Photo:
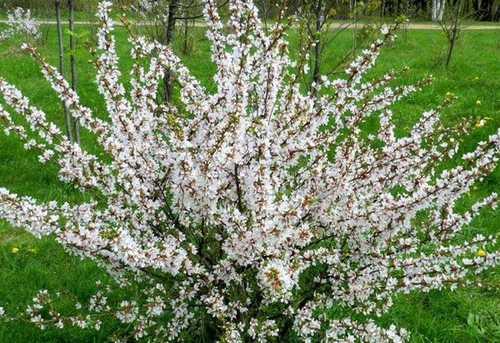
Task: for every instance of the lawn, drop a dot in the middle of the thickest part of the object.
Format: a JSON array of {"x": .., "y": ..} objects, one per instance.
[{"x": 27, "y": 265}]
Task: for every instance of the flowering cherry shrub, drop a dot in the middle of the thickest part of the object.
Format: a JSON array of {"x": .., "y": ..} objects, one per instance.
[
  {"x": 20, "y": 22},
  {"x": 251, "y": 211}
]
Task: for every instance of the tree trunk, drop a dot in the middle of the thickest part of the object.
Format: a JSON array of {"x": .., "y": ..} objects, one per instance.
[
  {"x": 71, "y": 7},
  {"x": 438, "y": 7},
  {"x": 169, "y": 37},
  {"x": 354, "y": 22},
  {"x": 382, "y": 8},
  {"x": 319, "y": 16},
  {"x": 442, "y": 4},
  {"x": 185, "y": 34},
  {"x": 479, "y": 9},
  {"x": 423, "y": 6},
  {"x": 454, "y": 32},
  {"x": 67, "y": 116}
]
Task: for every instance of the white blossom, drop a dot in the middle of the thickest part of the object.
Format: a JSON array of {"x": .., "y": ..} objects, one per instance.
[{"x": 19, "y": 21}]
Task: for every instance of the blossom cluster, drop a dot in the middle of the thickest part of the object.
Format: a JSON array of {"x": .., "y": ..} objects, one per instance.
[
  {"x": 148, "y": 5},
  {"x": 252, "y": 210},
  {"x": 20, "y": 22}
]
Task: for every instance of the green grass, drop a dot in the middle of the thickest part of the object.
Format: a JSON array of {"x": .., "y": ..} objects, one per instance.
[{"x": 467, "y": 315}]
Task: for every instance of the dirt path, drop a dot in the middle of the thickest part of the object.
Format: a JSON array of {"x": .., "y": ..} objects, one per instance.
[{"x": 426, "y": 26}]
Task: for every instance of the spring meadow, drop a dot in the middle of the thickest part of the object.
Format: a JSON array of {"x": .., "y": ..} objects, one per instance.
[{"x": 249, "y": 171}]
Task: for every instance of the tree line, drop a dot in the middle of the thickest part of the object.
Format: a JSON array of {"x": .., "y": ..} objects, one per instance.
[
  {"x": 485, "y": 10},
  {"x": 314, "y": 18}
]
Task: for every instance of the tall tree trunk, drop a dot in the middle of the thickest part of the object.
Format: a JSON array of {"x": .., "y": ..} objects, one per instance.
[
  {"x": 72, "y": 47},
  {"x": 320, "y": 17},
  {"x": 354, "y": 22},
  {"x": 442, "y": 6},
  {"x": 67, "y": 116},
  {"x": 185, "y": 35},
  {"x": 454, "y": 31},
  {"x": 494, "y": 10},
  {"x": 423, "y": 6},
  {"x": 169, "y": 37},
  {"x": 438, "y": 7}
]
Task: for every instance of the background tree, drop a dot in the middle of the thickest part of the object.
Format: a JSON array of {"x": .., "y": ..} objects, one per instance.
[
  {"x": 318, "y": 32},
  {"x": 438, "y": 8},
  {"x": 67, "y": 116},
  {"x": 162, "y": 17},
  {"x": 72, "y": 48},
  {"x": 487, "y": 10},
  {"x": 452, "y": 26}
]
